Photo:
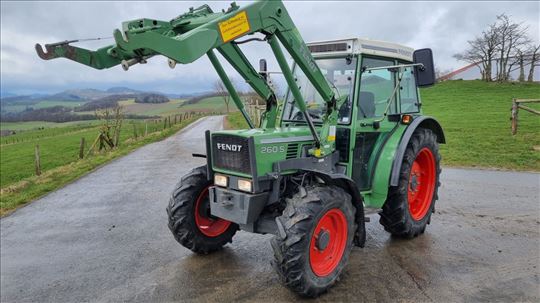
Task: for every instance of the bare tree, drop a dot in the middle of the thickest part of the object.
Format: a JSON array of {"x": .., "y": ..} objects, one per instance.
[
  {"x": 505, "y": 45},
  {"x": 482, "y": 50},
  {"x": 512, "y": 36},
  {"x": 221, "y": 90},
  {"x": 534, "y": 59}
]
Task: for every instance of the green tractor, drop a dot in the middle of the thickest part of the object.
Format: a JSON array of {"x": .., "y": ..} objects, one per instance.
[{"x": 349, "y": 136}]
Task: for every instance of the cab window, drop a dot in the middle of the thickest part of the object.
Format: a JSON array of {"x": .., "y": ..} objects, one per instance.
[
  {"x": 376, "y": 87},
  {"x": 408, "y": 92}
]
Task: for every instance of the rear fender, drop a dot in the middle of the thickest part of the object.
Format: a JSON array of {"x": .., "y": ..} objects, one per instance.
[{"x": 423, "y": 122}]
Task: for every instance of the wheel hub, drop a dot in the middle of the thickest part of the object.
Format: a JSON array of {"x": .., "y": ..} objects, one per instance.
[
  {"x": 323, "y": 238},
  {"x": 328, "y": 242},
  {"x": 414, "y": 182}
]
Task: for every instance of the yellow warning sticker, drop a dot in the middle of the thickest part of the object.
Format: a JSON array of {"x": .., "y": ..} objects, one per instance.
[{"x": 234, "y": 27}]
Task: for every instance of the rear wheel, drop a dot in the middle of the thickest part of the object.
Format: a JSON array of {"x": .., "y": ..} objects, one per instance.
[
  {"x": 315, "y": 238},
  {"x": 190, "y": 220},
  {"x": 409, "y": 206}
]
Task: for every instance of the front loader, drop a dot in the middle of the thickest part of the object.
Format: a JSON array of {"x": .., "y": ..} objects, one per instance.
[{"x": 351, "y": 137}]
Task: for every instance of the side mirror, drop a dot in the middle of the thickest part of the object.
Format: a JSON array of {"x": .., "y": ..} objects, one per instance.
[
  {"x": 263, "y": 69},
  {"x": 425, "y": 76}
]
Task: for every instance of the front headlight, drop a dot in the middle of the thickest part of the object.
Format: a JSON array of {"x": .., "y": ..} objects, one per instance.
[
  {"x": 244, "y": 185},
  {"x": 220, "y": 180}
]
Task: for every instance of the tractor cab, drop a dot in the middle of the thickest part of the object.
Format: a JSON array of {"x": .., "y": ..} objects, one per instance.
[{"x": 380, "y": 82}]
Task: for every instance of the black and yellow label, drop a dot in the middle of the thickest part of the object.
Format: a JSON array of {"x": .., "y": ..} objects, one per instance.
[{"x": 234, "y": 27}]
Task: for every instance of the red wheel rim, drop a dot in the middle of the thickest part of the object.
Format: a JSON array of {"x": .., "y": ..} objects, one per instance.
[
  {"x": 207, "y": 225},
  {"x": 328, "y": 242},
  {"x": 421, "y": 184}
]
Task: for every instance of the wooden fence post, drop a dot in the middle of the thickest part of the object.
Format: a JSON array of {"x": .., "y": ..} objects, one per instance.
[
  {"x": 81, "y": 149},
  {"x": 145, "y": 129},
  {"x": 514, "y": 116},
  {"x": 37, "y": 161}
]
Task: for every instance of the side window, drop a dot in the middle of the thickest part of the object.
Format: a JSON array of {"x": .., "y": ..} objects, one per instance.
[
  {"x": 376, "y": 88},
  {"x": 408, "y": 93}
]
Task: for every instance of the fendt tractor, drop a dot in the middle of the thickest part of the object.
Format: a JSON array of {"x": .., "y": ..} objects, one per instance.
[{"x": 348, "y": 135}]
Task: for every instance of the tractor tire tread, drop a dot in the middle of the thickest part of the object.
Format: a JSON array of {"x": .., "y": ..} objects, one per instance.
[
  {"x": 394, "y": 216},
  {"x": 298, "y": 220},
  {"x": 181, "y": 220}
]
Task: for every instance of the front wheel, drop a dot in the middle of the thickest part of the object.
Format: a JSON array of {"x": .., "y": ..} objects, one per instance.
[
  {"x": 315, "y": 238},
  {"x": 409, "y": 205},
  {"x": 190, "y": 220}
]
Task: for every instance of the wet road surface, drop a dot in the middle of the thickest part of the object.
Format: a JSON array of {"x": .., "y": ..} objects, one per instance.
[{"x": 105, "y": 238}]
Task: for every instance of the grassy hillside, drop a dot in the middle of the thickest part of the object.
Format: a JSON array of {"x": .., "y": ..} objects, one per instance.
[
  {"x": 40, "y": 104},
  {"x": 211, "y": 104},
  {"x": 476, "y": 119}
]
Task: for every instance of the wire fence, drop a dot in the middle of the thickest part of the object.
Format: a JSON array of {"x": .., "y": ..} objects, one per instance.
[{"x": 36, "y": 151}]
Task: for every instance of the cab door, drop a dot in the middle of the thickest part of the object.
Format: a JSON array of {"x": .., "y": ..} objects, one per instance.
[{"x": 372, "y": 128}]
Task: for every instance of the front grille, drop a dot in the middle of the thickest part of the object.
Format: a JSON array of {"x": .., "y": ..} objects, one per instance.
[
  {"x": 231, "y": 153},
  {"x": 292, "y": 151}
]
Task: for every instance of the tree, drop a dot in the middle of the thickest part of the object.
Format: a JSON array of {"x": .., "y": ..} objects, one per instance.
[
  {"x": 482, "y": 50},
  {"x": 511, "y": 37},
  {"x": 504, "y": 45},
  {"x": 221, "y": 90},
  {"x": 534, "y": 59},
  {"x": 521, "y": 62}
]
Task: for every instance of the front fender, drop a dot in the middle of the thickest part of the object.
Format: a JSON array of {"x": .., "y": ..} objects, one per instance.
[{"x": 351, "y": 188}]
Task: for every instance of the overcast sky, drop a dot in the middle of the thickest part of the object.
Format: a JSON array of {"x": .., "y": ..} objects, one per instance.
[{"x": 443, "y": 26}]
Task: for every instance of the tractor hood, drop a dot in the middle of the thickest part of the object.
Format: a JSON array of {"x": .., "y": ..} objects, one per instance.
[{"x": 252, "y": 152}]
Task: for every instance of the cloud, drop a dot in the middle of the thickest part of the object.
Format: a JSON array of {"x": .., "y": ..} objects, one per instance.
[{"x": 443, "y": 26}]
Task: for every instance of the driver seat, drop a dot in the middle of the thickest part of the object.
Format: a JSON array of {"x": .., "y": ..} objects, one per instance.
[{"x": 366, "y": 105}]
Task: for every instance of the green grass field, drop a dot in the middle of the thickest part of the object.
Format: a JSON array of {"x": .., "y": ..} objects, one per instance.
[
  {"x": 58, "y": 146},
  {"x": 476, "y": 119},
  {"x": 149, "y": 109},
  {"x": 212, "y": 104},
  {"x": 17, "y": 126}
]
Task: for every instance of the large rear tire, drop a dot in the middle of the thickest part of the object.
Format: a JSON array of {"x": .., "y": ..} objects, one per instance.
[
  {"x": 315, "y": 237},
  {"x": 409, "y": 205},
  {"x": 189, "y": 215}
]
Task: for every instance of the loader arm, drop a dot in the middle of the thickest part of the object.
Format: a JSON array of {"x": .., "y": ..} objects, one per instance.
[{"x": 198, "y": 32}]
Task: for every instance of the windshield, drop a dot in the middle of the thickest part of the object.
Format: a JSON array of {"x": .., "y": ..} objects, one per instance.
[{"x": 340, "y": 73}]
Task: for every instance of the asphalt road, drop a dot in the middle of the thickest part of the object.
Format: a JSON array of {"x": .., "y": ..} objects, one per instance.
[{"x": 105, "y": 238}]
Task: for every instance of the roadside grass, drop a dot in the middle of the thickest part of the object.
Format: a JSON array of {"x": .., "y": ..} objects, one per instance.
[
  {"x": 18, "y": 191},
  {"x": 475, "y": 116},
  {"x": 235, "y": 120}
]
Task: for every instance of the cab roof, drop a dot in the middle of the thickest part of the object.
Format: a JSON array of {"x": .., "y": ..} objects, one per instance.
[{"x": 361, "y": 46}]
